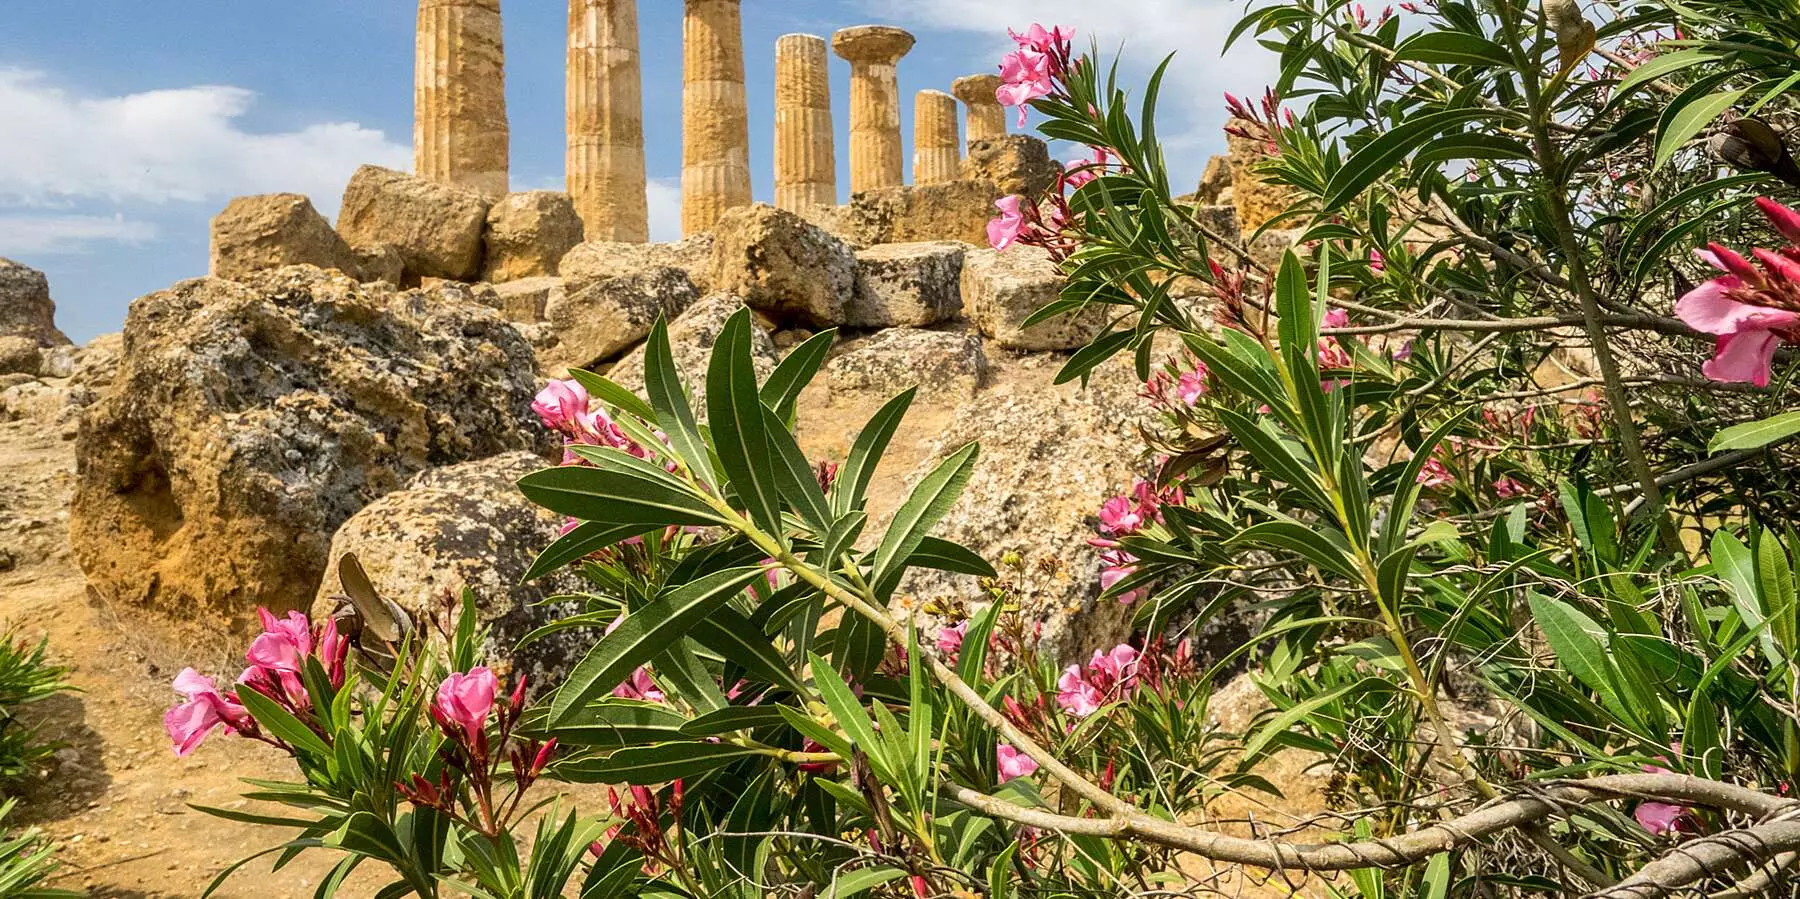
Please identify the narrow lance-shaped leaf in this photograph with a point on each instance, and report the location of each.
(918, 515)
(735, 410)
(662, 382)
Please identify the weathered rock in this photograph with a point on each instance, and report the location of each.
(462, 527)
(25, 306)
(783, 266)
(691, 339)
(381, 263)
(1001, 289)
(1015, 164)
(96, 366)
(269, 231)
(248, 420)
(907, 284)
(436, 228)
(524, 301)
(1215, 182)
(1221, 220)
(1050, 455)
(595, 260)
(1257, 199)
(890, 361)
(1269, 246)
(954, 210)
(607, 317)
(20, 355)
(528, 234)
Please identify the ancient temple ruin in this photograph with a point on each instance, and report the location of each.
(461, 136)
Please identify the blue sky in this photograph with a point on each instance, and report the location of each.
(125, 125)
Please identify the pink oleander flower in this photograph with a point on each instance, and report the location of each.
(1121, 515)
(1117, 566)
(1507, 488)
(284, 644)
(1082, 171)
(639, 686)
(950, 639)
(1025, 76)
(465, 701)
(1403, 352)
(1076, 695)
(1659, 817)
(278, 657)
(1192, 385)
(563, 406)
(1751, 310)
(1003, 231)
(1013, 763)
(1377, 263)
(1435, 475)
(1115, 669)
(1039, 40)
(206, 710)
(1336, 318)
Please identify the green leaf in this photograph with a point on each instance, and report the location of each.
(1663, 65)
(1385, 153)
(734, 637)
(845, 708)
(1316, 548)
(1299, 712)
(863, 880)
(662, 381)
(738, 422)
(612, 394)
(609, 723)
(281, 724)
(662, 763)
(1576, 641)
(782, 390)
(644, 635)
(732, 719)
(587, 537)
(918, 515)
(795, 479)
(943, 555)
(853, 479)
(1687, 116)
(615, 497)
(1756, 434)
(1452, 48)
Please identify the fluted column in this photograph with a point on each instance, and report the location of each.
(606, 121)
(877, 156)
(987, 118)
(937, 152)
(715, 124)
(459, 96)
(805, 151)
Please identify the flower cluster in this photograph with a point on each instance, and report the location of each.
(1178, 385)
(565, 407)
(278, 662)
(473, 753)
(1109, 677)
(1122, 516)
(1013, 763)
(1751, 310)
(1034, 69)
(640, 813)
(1263, 124)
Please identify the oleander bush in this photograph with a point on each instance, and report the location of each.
(1498, 457)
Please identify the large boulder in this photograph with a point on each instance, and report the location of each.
(952, 210)
(604, 318)
(1001, 289)
(524, 301)
(248, 420)
(266, 231)
(25, 306)
(783, 266)
(939, 363)
(907, 284)
(595, 260)
(436, 228)
(691, 338)
(528, 234)
(1015, 164)
(463, 527)
(1050, 456)
(20, 356)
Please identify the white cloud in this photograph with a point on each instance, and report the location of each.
(178, 145)
(665, 209)
(1193, 104)
(48, 235)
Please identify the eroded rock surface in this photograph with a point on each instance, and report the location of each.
(435, 228)
(270, 231)
(597, 322)
(691, 339)
(907, 284)
(950, 363)
(1000, 290)
(25, 306)
(783, 266)
(248, 420)
(528, 234)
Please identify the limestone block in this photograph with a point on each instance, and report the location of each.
(1015, 164)
(1001, 289)
(956, 210)
(910, 284)
(528, 234)
(25, 306)
(269, 231)
(436, 229)
(783, 266)
(939, 363)
(595, 323)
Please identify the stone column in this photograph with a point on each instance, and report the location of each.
(877, 157)
(937, 152)
(459, 96)
(715, 124)
(606, 121)
(987, 118)
(805, 151)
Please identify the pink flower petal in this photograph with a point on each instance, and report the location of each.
(1743, 357)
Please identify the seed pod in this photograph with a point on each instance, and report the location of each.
(1574, 33)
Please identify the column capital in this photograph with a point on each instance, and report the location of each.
(872, 44)
(976, 90)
